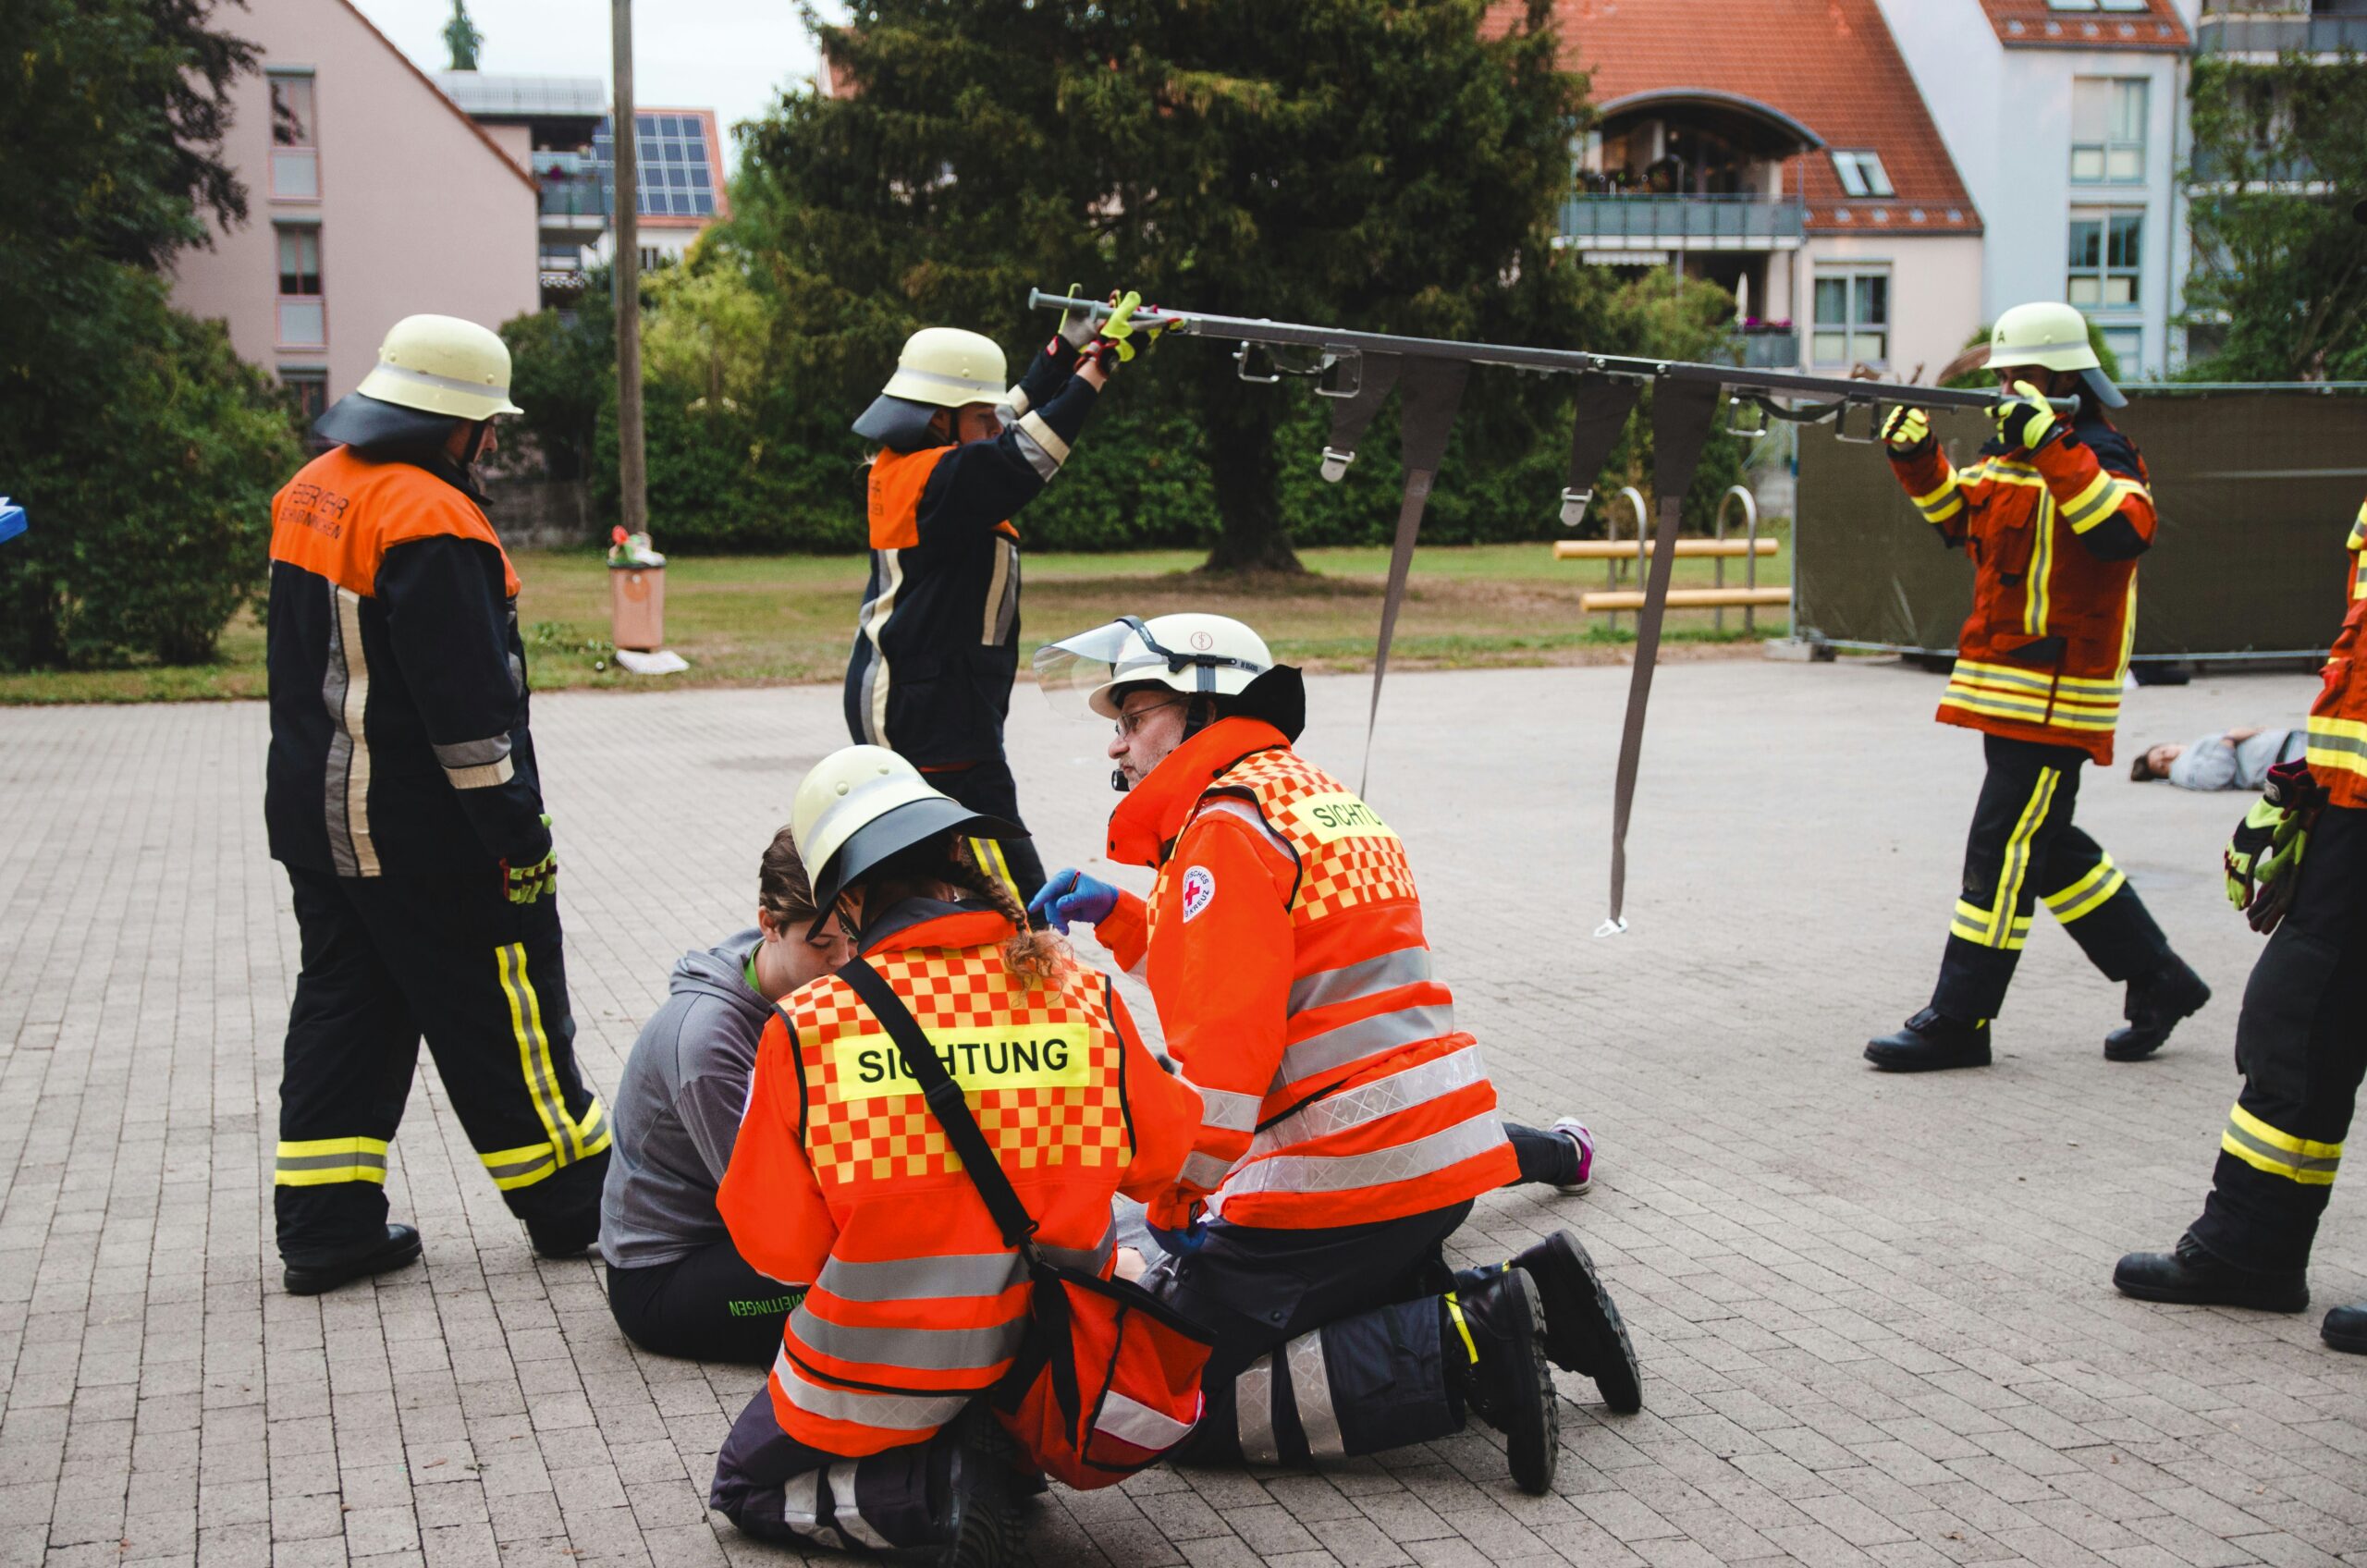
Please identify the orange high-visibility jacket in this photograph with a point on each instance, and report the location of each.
(1283, 944)
(842, 1179)
(2338, 718)
(2054, 536)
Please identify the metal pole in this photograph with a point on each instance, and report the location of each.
(625, 159)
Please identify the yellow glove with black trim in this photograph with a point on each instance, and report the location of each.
(1908, 432)
(1115, 340)
(521, 885)
(2024, 419)
(2263, 857)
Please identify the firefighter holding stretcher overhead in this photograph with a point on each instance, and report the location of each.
(1346, 1124)
(937, 642)
(2054, 514)
(2298, 869)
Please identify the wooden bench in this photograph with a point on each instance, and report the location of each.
(1616, 599)
(1614, 549)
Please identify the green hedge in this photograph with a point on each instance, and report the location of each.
(1139, 479)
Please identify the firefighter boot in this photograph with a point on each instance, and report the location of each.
(2346, 1328)
(2193, 1275)
(397, 1247)
(2157, 1000)
(1497, 1336)
(1929, 1042)
(980, 1518)
(1584, 1333)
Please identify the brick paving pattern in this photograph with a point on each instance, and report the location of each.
(1873, 1313)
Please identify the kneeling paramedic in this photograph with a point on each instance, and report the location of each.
(872, 1432)
(1347, 1124)
(402, 795)
(2297, 867)
(2053, 515)
(937, 642)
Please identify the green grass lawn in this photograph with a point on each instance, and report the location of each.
(760, 620)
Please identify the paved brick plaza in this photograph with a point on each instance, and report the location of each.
(1873, 1313)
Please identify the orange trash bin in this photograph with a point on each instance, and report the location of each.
(637, 606)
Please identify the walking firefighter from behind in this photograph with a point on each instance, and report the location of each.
(937, 642)
(2297, 867)
(2054, 514)
(402, 796)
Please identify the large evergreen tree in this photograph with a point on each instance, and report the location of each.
(1386, 165)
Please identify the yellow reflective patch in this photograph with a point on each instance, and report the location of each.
(1009, 1056)
(1329, 818)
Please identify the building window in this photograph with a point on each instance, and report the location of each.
(2127, 345)
(303, 323)
(1852, 318)
(1862, 174)
(2106, 249)
(308, 388)
(2107, 130)
(295, 155)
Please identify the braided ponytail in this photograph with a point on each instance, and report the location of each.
(1036, 958)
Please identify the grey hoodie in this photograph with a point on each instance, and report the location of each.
(678, 1110)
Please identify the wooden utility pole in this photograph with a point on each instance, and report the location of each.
(624, 150)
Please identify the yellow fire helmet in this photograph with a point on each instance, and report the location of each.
(942, 367)
(442, 365)
(862, 805)
(2051, 336)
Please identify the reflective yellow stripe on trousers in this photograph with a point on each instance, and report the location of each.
(570, 1140)
(2276, 1152)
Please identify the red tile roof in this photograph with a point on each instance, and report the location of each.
(2033, 24)
(1830, 64)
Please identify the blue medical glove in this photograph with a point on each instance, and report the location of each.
(1069, 894)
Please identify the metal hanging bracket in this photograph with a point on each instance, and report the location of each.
(1735, 425)
(1841, 422)
(1336, 464)
(1254, 362)
(1574, 506)
(1342, 375)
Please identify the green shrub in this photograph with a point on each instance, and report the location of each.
(146, 461)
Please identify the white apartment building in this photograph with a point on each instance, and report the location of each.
(2067, 119)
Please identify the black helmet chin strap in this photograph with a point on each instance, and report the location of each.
(478, 431)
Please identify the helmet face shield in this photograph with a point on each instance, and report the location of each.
(1184, 652)
(1073, 671)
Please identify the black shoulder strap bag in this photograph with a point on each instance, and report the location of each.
(1108, 1380)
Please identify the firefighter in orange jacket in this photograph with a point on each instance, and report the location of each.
(1346, 1124)
(402, 795)
(937, 640)
(842, 1187)
(2054, 514)
(2298, 866)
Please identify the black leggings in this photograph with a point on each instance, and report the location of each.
(707, 1306)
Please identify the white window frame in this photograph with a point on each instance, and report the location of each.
(2113, 87)
(295, 165)
(317, 299)
(1853, 275)
(2105, 270)
(1862, 173)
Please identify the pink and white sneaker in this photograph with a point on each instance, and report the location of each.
(1570, 1127)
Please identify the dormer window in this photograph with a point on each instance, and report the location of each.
(1862, 174)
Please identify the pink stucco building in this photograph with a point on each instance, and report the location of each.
(369, 196)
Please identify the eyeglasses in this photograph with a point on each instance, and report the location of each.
(1128, 723)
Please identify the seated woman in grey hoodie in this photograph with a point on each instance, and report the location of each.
(675, 1284)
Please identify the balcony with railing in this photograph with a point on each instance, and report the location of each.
(572, 194)
(1620, 220)
(2268, 29)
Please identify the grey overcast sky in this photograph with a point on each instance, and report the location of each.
(729, 55)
